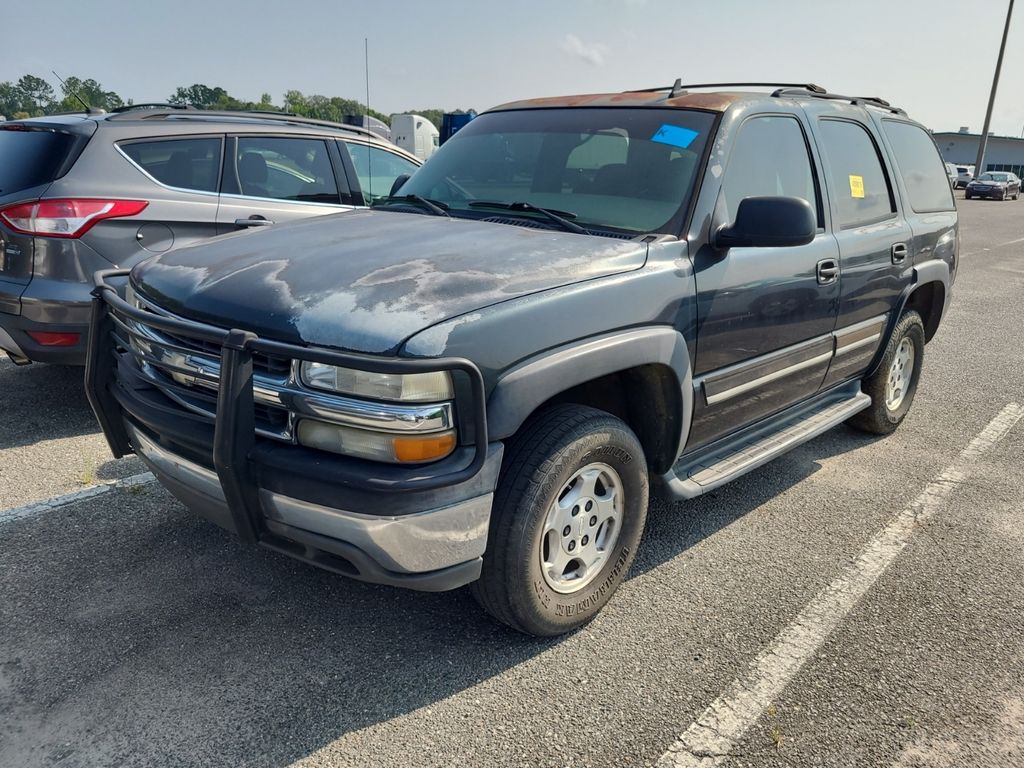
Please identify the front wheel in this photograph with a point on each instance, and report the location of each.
(894, 383)
(967, 197)
(568, 515)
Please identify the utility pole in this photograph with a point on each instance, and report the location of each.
(978, 167)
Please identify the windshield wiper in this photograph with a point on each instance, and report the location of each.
(561, 218)
(436, 208)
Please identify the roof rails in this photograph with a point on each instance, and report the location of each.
(678, 88)
(871, 101)
(178, 113)
(149, 105)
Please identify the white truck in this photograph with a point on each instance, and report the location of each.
(415, 134)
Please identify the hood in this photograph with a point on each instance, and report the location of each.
(366, 280)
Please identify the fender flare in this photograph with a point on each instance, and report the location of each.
(522, 389)
(930, 271)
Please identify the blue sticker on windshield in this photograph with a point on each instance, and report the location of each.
(675, 135)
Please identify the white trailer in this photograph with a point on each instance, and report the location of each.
(415, 134)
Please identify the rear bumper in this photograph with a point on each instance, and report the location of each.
(52, 306)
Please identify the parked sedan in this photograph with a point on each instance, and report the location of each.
(994, 184)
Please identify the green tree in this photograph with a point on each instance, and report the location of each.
(333, 108)
(10, 101)
(34, 94)
(199, 96)
(91, 93)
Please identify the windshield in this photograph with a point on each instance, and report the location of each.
(630, 170)
(995, 177)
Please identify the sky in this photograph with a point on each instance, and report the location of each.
(934, 58)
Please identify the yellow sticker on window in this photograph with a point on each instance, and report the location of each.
(856, 186)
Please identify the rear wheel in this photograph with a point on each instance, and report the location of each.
(893, 385)
(568, 515)
(966, 196)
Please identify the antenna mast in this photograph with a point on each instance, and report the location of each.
(64, 85)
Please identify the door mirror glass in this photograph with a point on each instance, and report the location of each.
(398, 182)
(769, 222)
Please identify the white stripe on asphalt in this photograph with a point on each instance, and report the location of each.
(992, 248)
(710, 740)
(40, 507)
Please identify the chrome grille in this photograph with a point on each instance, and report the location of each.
(187, 371)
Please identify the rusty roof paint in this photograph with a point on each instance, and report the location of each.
(715, 101)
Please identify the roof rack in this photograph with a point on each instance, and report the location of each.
(149, 105)
(872, 101)
(678, 88)
(282, 117)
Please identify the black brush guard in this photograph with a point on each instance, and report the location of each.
(234, 428)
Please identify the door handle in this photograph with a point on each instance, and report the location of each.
(899, 253)
(253, 221)
(828, 271)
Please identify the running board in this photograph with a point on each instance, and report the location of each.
(693, 476)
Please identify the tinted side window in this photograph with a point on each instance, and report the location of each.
(286, 169)
(860, 189)
(31, 157)
(182, 163)
(377, 169)
(769, 158)
(921, 166)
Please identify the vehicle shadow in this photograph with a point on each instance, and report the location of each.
(42, 402)
(148, 631)
(675, 526)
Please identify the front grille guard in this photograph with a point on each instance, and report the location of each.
(234, 427)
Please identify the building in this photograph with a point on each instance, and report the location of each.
(1002, 153)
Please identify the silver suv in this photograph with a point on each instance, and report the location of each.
(85, 192)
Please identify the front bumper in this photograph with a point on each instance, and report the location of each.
(993, 193)
(423, 527)
(431, 550)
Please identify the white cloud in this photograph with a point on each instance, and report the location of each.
(593, 53)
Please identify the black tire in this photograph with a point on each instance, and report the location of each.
(879, 418)
(539, 461)
(967, 197)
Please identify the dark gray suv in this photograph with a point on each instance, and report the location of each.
(84, 192)
(576, 301)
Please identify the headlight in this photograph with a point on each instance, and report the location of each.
(429, 387)
(376, 446)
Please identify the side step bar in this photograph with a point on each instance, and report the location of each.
(696, 475)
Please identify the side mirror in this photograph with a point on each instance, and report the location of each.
(769, 222)
(397, 184)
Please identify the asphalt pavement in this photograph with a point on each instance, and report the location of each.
(857, 602)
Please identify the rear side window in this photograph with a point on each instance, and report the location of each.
(921, 166)
(182, 163)
(860, 190)
(286, 169)
(29, 158)
(769, 158)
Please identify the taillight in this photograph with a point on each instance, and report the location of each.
(66, 217)
(54, 338)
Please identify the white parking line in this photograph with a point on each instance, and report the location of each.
(40, 507)
(992, 248)
(717, 732)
